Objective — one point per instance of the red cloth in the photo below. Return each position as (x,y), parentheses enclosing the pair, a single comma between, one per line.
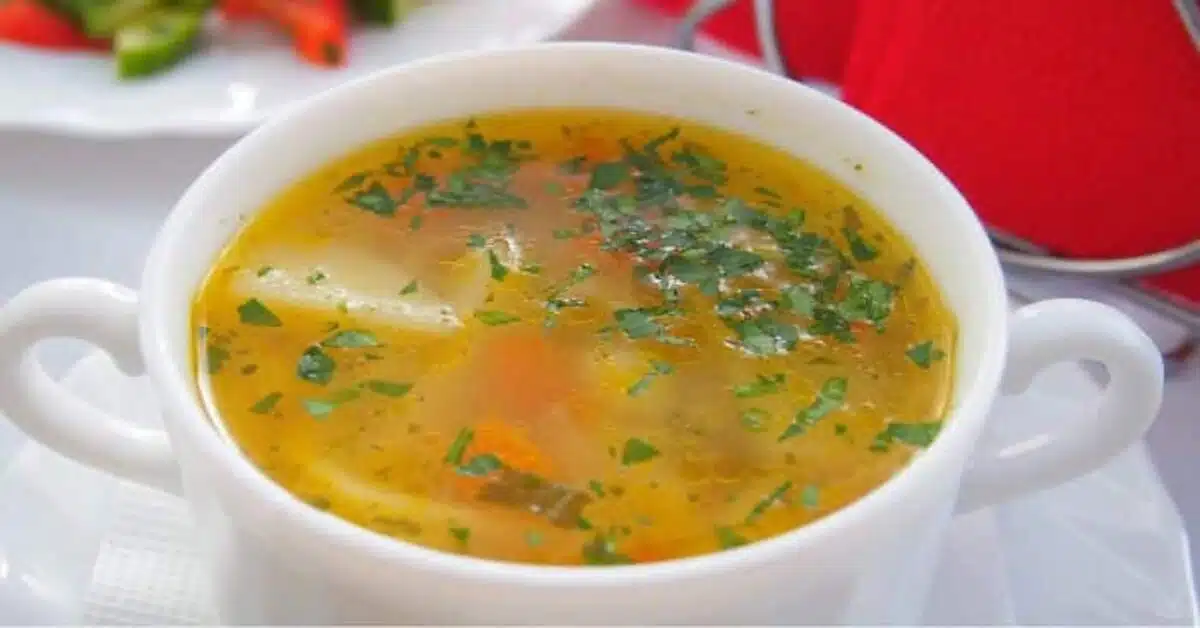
(1071,123)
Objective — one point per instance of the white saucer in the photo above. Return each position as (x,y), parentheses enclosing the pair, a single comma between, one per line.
(81,547)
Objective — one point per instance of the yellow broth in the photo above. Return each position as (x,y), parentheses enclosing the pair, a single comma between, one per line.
(573,337)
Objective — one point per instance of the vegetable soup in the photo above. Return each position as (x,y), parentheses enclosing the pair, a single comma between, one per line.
(572,336)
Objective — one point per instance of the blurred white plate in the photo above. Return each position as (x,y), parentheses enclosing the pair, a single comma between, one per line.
(246,74)
(78,546)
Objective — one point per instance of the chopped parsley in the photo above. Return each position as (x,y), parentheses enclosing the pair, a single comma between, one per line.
(462,535)
(767,502)
(375,199)
(913,434)
(255,312)
(315,366)
(499,271)
(924,354)
(809,496)
(454,454)
(481,465)
(657,368)
(727,538)
(321,408)
(762,385)
(409,288)
(637,451)
(350,339)
(215,357)
(388,388)
(495,318)
(831,397)
(608,175)
(351,182)
(602,550)
(267,403)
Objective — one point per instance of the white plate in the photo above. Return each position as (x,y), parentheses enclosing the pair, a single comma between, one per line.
(78,546)
(247,74)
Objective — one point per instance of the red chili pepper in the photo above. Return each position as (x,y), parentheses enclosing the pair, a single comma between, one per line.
(317,27)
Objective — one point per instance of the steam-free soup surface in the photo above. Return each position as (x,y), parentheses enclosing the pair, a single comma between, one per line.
(573,337)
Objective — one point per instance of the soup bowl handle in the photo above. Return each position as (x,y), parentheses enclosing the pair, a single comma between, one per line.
(101,313)
(1063,330)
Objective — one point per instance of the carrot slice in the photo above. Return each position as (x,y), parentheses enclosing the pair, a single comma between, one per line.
(525,375)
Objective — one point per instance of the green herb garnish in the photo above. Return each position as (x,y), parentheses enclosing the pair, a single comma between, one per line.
(499,271)
(924,354)
(267,403)
(350,339)
(762,385)
(495,318)
(215,357)
(765,503)
(914,434)
(409,288)
(315,366)
(798,299)
(831,397)
(254,312)
(809,497)
(376,200)
(481,465)
(351,182)
(637,323)
(727,538)
(608,175)
(321,408)
(387,388)
(602,550)
(454,454)
(637,451)
(462,535)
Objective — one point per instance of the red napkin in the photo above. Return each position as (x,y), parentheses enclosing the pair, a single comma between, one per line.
(1074,124)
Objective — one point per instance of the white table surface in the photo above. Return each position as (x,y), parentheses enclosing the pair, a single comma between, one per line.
(91,208)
